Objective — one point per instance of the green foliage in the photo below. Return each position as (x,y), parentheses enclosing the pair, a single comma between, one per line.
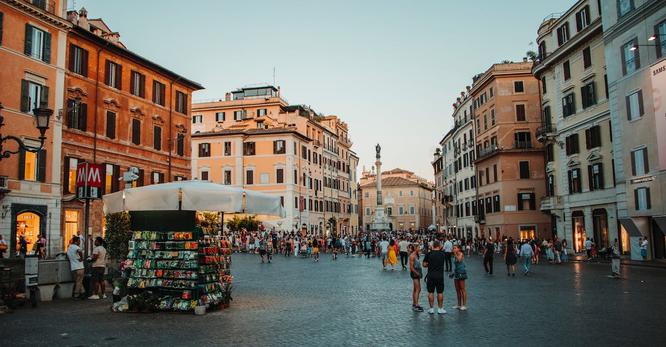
(210,222)
(531,55)
(237,223)
(118,235)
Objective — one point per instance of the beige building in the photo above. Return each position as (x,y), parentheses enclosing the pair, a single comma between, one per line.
(576,128)
(254,139)
(407,199)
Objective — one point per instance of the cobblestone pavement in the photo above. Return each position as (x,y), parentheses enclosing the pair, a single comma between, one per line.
(352,302)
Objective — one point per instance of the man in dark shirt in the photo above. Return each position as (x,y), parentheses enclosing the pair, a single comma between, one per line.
(434,261)
(488,254)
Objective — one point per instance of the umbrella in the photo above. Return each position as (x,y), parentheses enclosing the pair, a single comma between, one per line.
(193,196)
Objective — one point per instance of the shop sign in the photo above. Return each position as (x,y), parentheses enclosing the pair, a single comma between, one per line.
(642,180)
(88,181)
(658,74)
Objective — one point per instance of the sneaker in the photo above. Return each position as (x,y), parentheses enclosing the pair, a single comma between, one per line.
(441,311)
(463,308)
(455,307)
(431,310)
(94,297)
(419,308)
(104,296)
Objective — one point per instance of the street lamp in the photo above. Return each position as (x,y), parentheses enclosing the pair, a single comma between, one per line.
(42,115)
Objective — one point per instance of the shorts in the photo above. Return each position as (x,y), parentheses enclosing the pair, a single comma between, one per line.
(415,276)
(98,274)
(262,252)
(435,284)
(384,256)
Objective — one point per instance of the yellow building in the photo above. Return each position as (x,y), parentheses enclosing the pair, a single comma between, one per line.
(255,140)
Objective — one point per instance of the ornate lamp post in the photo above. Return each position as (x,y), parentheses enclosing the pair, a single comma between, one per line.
(42,115)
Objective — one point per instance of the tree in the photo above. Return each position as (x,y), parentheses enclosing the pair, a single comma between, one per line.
(531,55)
(118,235)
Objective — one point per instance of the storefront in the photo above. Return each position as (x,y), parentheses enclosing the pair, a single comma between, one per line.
(527,232)
(600,228)
(659,237)
(578,228)
(28,222)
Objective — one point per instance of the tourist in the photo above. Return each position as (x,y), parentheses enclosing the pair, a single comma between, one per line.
(403,245)
(23,246)
(392,257)
(526,253)
(510,257)
(488,255)
(3,247)
(434,261)
(416,273)
(644,247)
(383,247)
(558,251)
(588,248)
(615,259)
(269,249)
(448,248)
(98,269)
(75,256)
(315,251)
(459,277)
(262,249)
(565,252)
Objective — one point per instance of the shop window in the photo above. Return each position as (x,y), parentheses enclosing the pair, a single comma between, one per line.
(527,232)
(71,226)
(28,227)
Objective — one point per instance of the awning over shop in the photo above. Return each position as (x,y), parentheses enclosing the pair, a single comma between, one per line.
(630,226)
(661,223)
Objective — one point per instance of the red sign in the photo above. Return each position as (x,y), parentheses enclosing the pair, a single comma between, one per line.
(88,181)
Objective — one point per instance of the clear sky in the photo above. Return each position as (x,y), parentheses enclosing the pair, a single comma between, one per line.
(390,69)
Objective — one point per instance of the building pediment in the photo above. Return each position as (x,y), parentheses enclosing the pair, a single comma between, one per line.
(181,128)
(157,119)
(136,111)
(112,103)
(573,162)
(594,156)
(77,92)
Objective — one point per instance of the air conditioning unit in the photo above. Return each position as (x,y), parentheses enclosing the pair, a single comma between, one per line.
(4,182)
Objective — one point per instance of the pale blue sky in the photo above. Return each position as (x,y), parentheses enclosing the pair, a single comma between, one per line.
(390,69)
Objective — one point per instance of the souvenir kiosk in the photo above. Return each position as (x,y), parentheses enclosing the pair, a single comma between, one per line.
(173,264)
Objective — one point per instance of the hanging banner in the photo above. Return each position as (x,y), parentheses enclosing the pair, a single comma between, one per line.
(659,98)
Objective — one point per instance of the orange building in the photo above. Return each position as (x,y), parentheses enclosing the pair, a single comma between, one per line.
(254,139)
(32,58)
(509,162)
(121,111)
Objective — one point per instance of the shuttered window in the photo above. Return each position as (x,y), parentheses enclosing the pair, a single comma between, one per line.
(158,93)
(138,84)
(136,131)
(113,76)
(32,166)
(204,150)
(110,124)
(593,137)
(157,138)
(78,60)
(33,95)
(1,25)
(181,102)
(37,43)
(180,144)
(77,115)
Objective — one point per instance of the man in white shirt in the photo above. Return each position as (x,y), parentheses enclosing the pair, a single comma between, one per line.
(383,247)
(75,257)
(526,252)
(448,249)
(588,248)
(99,267)
(403,245)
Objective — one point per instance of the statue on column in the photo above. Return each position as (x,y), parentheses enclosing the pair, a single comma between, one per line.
(378,149)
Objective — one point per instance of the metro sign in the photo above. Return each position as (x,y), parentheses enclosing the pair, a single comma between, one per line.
(88,181)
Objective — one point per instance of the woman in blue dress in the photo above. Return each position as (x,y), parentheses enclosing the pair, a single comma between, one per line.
(459,277)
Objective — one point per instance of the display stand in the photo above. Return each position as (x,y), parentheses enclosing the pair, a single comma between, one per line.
(175,266)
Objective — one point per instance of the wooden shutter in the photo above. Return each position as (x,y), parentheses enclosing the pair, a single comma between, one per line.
(532,202)
(155,91)
(27,48)
(84,62)
(520,203)
(646,164)
(162,94)
(65,176)
(115,179)
(41,165)
(110,125)
(132,77)
(107,74)
(119,77)
(579,22)
(142,86)
(44,95)
(83,116)
(25,96)
(570,182)
(72,52)
(21,166)
(648,204)
(136,131)
(602,184)
(627,101)
(46,56)
(640,102)
(637,55)
(1,17)
(588,138)
(633,163)
(590,177)
(636,199)
(140,181)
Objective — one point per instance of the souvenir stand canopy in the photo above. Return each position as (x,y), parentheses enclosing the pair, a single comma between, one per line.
(174,264)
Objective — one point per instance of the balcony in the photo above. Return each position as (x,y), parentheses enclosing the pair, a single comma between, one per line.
(550,202)
(546,132)
(45,5)
(485,152)
(522,145)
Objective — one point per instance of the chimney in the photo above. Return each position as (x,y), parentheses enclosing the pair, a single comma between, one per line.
(524,59)
(73,17)
(83,18)
(227,97)
(278,92)
(468,88)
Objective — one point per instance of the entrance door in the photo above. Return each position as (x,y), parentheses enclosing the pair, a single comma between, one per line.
(600,227)
(27,228)
(578,228)
(659,242)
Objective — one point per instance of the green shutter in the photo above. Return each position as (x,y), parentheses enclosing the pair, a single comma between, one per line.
(1,16)
(83,117)
(21,166)
(44,97)
(28,40)
(25,96)
(46,57)
(84,62)
(41,166)
(65,176)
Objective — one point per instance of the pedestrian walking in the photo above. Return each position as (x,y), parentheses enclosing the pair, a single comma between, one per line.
(448,248)
(644,247)
(403,245)
(459,277)
(75,256)
(392,257)
(488,255)
(416,273)
(510,257)
(99,268)
(383,247)
(526,253)
(3,247)
(434,261)
(615,259)
(315,251)
(588,248)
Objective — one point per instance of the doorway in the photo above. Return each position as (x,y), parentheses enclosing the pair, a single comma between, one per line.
(600,228)
(578,228)
(658,242)
(28,222)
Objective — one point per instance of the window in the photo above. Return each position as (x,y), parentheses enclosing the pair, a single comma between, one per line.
(485,121)
(550,185)
(279,147)
(37,43)
(78,60)
(624,7)
(631,60)
(138,84)
(520,113)
(197,119)
(296,178)
(401,210)
(248,148)
(279,175)
(566,70)
(249,177)
(411,209)
(588,95)
(181,102)
(572,144)
(32,166)
(642,199)
(550,154)
(659,35)
(239,115)
(587,57)
(563,34)
(634,103)
(136,131)
(494,172)
(113,75)
(33,96)
(157,138)
(156,177)
(110,124)
(77,113)
(227,148)
(69,176)
(523,140)
(496,203)
(227,177)
(526,201)
(574,181)
(543,53)
(569,104)
(596,176)
(204,150)
(492,119)
(593,137)
(639,162)
(583,18)
(219,116)
(180,144)
(204,175)
(489,205)
(546,119)
(518,87)
(261,112)
(264,178)
(524,170)
(159,90)
(111,178)
(543,85)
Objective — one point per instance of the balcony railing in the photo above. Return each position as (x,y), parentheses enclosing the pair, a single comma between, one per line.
(484,152)
(550,202)
(545,131)
(522,145)
(46,5)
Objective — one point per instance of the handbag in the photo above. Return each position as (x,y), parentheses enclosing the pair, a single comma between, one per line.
(3,247)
